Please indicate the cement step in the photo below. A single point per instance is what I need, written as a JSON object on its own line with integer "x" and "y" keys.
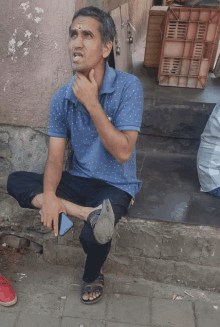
{"x": 170, "y": 235}
{"x": 171, "y": 191}
{"x": 172, "y": 125}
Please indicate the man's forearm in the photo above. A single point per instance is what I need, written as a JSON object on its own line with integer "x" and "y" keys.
{"x": 113, "y": 140}
{"x": 52, "y": 176}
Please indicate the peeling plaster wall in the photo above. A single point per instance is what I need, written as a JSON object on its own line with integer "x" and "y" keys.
{"x": 34, "y": 60}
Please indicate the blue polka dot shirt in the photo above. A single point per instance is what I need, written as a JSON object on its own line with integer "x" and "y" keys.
{"x": 121, "y": 97}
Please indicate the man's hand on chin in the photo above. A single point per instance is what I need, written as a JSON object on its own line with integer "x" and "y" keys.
{"x": 86, "y": 89}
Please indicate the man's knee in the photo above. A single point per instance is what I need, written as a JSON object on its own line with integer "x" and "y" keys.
{"x": 23, "y": 186}
{"x": 12, "y": 181}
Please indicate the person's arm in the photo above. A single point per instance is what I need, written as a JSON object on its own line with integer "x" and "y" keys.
{"x": 52, "y": 206}
{"x": 119, "y": 143}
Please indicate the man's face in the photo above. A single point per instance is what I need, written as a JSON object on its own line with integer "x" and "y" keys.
{"x": 85, "y": 46}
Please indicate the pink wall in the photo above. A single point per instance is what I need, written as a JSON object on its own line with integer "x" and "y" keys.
{"x": 34, "y": 59}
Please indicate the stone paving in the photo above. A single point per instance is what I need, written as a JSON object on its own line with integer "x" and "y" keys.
{"x": 48, "y": 296}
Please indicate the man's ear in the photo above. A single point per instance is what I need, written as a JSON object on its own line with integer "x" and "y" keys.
{"x": 107, "y": 48}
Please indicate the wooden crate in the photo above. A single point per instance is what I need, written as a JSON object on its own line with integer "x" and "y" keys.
{"x": 154, "y": 38}
{"x": 189, "y": 38}
{"x": 215, "y": 49}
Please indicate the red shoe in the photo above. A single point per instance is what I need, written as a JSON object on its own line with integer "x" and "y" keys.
{"x": 7, "y": 293}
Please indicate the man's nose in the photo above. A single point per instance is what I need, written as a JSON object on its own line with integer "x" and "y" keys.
{"x": 78, "y": 42}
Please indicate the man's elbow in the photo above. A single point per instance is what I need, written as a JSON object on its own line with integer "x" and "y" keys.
{"x": 123, "y": 157}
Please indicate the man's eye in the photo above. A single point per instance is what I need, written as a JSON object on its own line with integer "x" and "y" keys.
{"x": 73, "y": 34}
{"x": 88, "y": 35}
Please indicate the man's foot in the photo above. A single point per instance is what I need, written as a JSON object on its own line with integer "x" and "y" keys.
{"x": 102, "y": 222}
{"x": 92, "y": 292}
{"x": 7, "y": 293}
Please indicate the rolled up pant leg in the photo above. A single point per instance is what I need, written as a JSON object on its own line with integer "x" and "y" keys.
{"x": 23, "y": 186}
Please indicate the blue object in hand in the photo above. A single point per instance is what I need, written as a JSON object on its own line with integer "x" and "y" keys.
{"x": 65, "y": 224}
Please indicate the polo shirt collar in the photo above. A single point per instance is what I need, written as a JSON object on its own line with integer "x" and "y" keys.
{"x": 69, "y": 92}
{"x": 108, "y": 81}
{"x": 107, "y": 84}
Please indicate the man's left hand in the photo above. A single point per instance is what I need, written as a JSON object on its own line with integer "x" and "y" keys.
{"x": 86, "y": 90}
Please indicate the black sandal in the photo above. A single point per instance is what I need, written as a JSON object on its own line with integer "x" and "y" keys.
{"x": 93, "y": 287}
{"x": 102, "y": 222}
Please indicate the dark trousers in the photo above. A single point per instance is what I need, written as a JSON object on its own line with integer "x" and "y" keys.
{"x": 88, "y": 192}
{"x": 215, "y": 192}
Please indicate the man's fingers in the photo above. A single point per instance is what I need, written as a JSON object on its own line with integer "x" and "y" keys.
{"x": 80, "y": 78}
{"x": 55, "y": 226}
{"x": 79, "y": 75}
{"x": 75, "y": 83}
{"x": 75, "y": 88}
{"x": 92, "y": 76}
{"x": 49, "y": 225}
{"x": 76, "y": 80}
{"x": 46, "y": 221}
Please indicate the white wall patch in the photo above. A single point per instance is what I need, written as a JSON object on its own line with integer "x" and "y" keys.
{"x": 27, "y": 34}
{"x": 26, "y": 51}
{"x": 37, "y": 19}
{"x": 19, "y": 44}
{"x": 39, "y": 10}
{"x": 12, "y": 43}
{"x": 25, "y": 5}
{"x": 11, "y": 46}
{"x": 29, "y": 16}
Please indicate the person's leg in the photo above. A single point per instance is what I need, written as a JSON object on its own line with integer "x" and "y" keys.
{"x": 27, "y": 189}
{"x": 23, "y": 186}
{"x": 96, "y": 253}
{"x": 215, "y": 192}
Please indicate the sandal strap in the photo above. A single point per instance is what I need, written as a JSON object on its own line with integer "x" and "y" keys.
{"x": 92, "y": 288}
{"x": 100, "y": 279}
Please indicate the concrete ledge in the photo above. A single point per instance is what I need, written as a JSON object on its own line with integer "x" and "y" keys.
{"x": 174, "y": 118}
{"x": 159, "y": 251}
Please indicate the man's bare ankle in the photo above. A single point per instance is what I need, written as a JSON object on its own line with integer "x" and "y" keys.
{"x": 85, "y": 212}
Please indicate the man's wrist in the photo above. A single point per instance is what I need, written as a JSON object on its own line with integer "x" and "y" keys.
{"x": 49, "y": 193}
{"x": 93, "y": 105}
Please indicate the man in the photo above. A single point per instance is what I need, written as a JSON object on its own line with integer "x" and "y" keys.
{"x": 208, "y": 157}
{"x": 101, "y": 110}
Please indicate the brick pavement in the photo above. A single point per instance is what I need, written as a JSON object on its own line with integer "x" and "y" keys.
{"x": 127, "y": 302}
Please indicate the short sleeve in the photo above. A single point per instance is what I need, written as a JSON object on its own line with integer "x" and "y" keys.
{"x": 129, "y": 113}
{"x": 57, "y": 121}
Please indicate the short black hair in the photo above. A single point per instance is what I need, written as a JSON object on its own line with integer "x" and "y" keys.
{"x": 107, "y": 27}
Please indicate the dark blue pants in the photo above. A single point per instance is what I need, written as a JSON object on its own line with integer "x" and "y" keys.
{"x": 216, "y": 192}
{"x": 89, "y": 192}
